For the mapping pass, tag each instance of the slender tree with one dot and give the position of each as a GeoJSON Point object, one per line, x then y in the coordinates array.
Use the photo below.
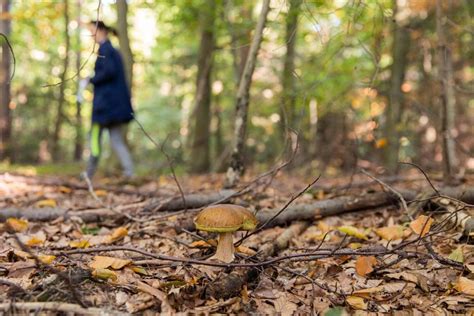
{"type": "Point", "coordinates": [79, 140]}
{"type": "Point", "coordinates": [287, 108]}
{"type": "Point", "coordinates": [448, 98]}
{"type": "Point", "coordinates": [200, 148]}
{"type": "Point", "coordinates": [5, 70]}
{"type": "Point", "coordinates": [62, 87]}
{"type": "Point", "coordinates": [124, 40]}
{"type": "Point", "coordinates": [236, 167]}
{"type": "Point", "coordinates": [400, 48]}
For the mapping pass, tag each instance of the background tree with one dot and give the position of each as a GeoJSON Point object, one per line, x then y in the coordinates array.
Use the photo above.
{"type": "Point", "coordinates": [55, 151]}
{"type": "Point", "coordinates": [400, 48]}
{"type": "Point", "coordinates": [200, 148]}
{"type": "Point", "coordinates": [5, 66]}
{"type": "Point", "coordinates": [236, 167]}
{"type": "Point", "coordinates": [288, 105]}
{"type": "Point", "coordinates": [124, 41]}
{"type": "Point", "coordinates": [79, 139]}
{"type": "Point", "coordinates": [448, 97]}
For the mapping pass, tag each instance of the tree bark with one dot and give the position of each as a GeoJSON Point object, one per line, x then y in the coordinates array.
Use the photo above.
{"type": "Point", "coordinates": [236, 167]}
{"type": "Point", "coordinates": [287, 108]}
{"type": "Point", "coordinates": [79, 140]}
{"type": "Point", "coordinates": [124, 41]}
{"type": "Point", "coordinates": [448, 98]}
{"type": "Point", "coordinates": [200, 148]}
{"type": "Point", "coordinates": [5, 62]}
{"type": "Point", "coordinates": [61, 100]}
{"type": "Point", "coordinates": [400, 48]}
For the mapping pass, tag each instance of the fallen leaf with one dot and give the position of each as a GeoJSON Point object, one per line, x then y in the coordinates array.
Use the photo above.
{"type": "Point", "coordinates": [139, 270]}
{"type": "Point", "coordinates": [47, 203]}
{"type": "Point", "coordinates": [100, 192]}
{"type": "Point", "coordinates": [17, 225]}
{"type": "Point", "coordinates": [365, 265]}
{"type": "Point", "coordinates": [465, 285]}
{"type": "Point", "coordinates": [46, 259]}
{"type": "Point", "coordinates": [284, 307]}
{"type": "Point", "coordinates": [34, 241]}
{"type": "Point", "coordinates": [353, 231]}
{"type": "Point", "coordinates": [356, 302]}
{"type": "Point", "coordinates": [386, 288]}
{"type": "Point", "coordinates": [104, 274]}
{"type": "Point", "coordinates": [165, 305]}
{"type": "Point", "coordinates": [64, 189]}
{"type": "Point", "coordinates": [79, 244]}
{"type": "Point", "coordinates": [355, 245]}
{"type": "Point", "coordinates": [391, 232]}
{"type": "Point", "coordinates": [421, 225]}
{"type": "Point", "coordinates": [457, 255]}
{"type": "Point", "coordinates": [245, 250]}
{"type": "Point", "coordinates": [203, 243]}
{"type": "Point", "coordinates": [381, 143]}
{"type": "Point", "coordinates": [117, 234]}
{"type": "Point", "coordinates": [102, 262]}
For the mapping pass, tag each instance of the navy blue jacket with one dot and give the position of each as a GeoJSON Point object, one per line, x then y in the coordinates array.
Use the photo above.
{"type": "Point", "coordinates": [112, 104]}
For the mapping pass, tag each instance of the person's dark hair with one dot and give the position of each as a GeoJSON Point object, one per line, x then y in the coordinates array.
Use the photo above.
{"type": "Point", "coordinates": [102, 26]}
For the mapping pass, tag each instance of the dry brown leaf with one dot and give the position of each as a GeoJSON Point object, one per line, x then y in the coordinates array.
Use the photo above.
{"type": "Point", "coordinates": [165, 305]}
{"type": "Point", "coordinates": [117, 234]}
{"type": "Point", "coordinates": [17, 225]}
{"type": "Point", "coordinates": [203, 243]}
{"type": "Point", "coordinates": [64, 189]}
{"type": "Point", "coordinates": [391, 232]}
{"type": "Point", "coordinates": [465, 285]}
{"type": "Point", "coordinates": [284, 307]}
{"type": "Point", "coordinates": [245, 250]}
{"type": "Point", "coordinates": [421, 225]}
{"type": "Point", "coordinates": [100, 192]}
{"type": "Point", "coordinates": [102, 262]}
{"type": "Point", "coordinates": [365, 265]}
{"type": "Point", "coordinates": [356, 302]}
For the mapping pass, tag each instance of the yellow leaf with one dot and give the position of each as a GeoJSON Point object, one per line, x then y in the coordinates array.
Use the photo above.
{"type": "Point", "coordinates": [457, 255]}
{"type": "Point", "coordinates": [46, 259]}
{"type": "Point", "coordinates": [104, 274]}
{"type": "Point", "coordinates": [64, 189]}
{"type": "Point", "coordinates": [47, 203]}
{"type": "Point", "coordinates": [381, 143]}
{"type": "Point", "coordinates": [464, 285]}
{"type": "Point", "coordinates": [356, 302]}
{"type": "Point", "coordinates": [365, 265]}
{"type": "Point", "coordinates": [117, 234]}
{"type": "Point", "coordinates": [353, 231]}
{"type": "Point", "coordinates": [18, 225]}
{"type": "Point", "coordinates": [79, 244]}
{"type": "Point", "coordinates": [102, 262]}
{"type": "Point", "coordinates": [100, 192]}
{"type": "Point", "coordinates": [421, 225]}
{"type": "Point", "coordinates": [139, 270]}
{"type": "Point", "coordinates": [355, 245]}
{"type": "Point", "coordinates": [391, 232]}
{"type": "Point", "coordinates": [34, 241]}
{"type": "Point", "coordinates": [21, 254]}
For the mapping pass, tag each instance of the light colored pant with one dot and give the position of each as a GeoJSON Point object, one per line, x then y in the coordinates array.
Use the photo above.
{"type": "Point", "coordinates": [118, 144]}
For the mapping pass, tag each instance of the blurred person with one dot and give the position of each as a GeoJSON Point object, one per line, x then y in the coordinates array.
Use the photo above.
{"type": "Point", "coordinates": [112, 107]}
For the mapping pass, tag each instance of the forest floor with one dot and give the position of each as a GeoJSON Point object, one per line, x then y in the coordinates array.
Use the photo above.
{"type": "Point", "coordinates": [373, 259]}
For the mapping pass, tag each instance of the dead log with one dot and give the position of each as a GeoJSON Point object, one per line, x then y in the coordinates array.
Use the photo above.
{"type": "Point", "coordinates": [229, 285]}
{"type": "Point", "coordinates": [95, 215]}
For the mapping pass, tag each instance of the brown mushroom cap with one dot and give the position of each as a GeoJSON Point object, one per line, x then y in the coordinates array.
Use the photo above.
{"type": "Point", "coordinates": [223, 218]}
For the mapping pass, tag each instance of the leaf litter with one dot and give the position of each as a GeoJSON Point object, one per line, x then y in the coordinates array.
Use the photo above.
{"type": "Point", "coordinates": [127, 281]}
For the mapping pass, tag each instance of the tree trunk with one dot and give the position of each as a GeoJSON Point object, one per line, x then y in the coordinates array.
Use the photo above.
{"type": "Point", "coordinates": [200, 148]}
{"type": "Point", "coordinates": [400, 47]}
{"type": "Point", "coordinates": [236, 167]}
{"type": "Point", "coordinates": [448, 98]}
{"type": "Point", "coordinates": [79, 141]}
{"type": "Point", "coordinates": [59, 114]}
{"type": "Point", "coordinates": [287, 108]}
{"type": "Point", "coordinates": [5, 62]}
{"type": "Point", "coordinates": [124, 41]}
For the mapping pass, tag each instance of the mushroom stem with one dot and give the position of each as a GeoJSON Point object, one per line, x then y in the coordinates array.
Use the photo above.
{"type": "Point", "coordinates": [225, 248]}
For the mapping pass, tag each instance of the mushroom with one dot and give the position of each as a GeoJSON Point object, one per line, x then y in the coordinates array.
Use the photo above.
{"type": "Point", "coordinates": [225, 219]}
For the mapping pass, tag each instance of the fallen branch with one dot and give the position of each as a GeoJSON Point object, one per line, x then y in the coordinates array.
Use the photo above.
{"type": "Point", "coordinates": [38, 307]}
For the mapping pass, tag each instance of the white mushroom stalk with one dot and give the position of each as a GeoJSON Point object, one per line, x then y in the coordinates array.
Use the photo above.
{"type": "Point", "coordinates": [225, 248]}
